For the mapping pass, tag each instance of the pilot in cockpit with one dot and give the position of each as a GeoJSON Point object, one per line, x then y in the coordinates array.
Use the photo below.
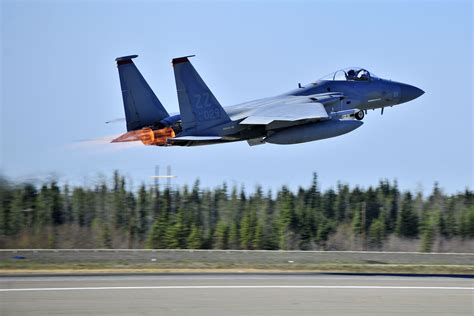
{"type": "Point", "coordinates": [351, 75]}
{"type": "Point", "coordinates": [357, 75]}
{"type": "Point", "coordinates": [362, 75]}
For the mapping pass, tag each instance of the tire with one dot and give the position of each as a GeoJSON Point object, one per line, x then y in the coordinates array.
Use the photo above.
{"type": "Point", "coordinates": [359, 115]}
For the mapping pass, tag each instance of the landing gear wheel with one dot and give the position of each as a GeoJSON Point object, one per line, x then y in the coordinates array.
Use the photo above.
{"type": "Point", "coordinates": [359, 115]}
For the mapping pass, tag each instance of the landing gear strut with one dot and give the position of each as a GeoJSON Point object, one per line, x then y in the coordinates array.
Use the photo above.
{"type": "Point", "coordinates": [359, 115]}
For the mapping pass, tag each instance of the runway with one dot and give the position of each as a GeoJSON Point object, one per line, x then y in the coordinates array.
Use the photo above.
{"type": "Point", "coordinates": [236, 294]}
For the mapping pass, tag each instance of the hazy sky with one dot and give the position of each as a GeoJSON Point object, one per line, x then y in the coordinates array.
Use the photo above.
{"type": "Point", "coordinates": [60, 84]}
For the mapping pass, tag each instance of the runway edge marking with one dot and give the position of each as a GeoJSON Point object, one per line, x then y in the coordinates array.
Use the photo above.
{"type": "Point", "coordinates": [194, 287]}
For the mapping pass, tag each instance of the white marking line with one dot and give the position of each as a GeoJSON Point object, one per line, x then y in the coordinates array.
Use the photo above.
{"type": "Point", "coordinates": [195, 287]}
{"type": "Point", "coordinates": [373, 100]}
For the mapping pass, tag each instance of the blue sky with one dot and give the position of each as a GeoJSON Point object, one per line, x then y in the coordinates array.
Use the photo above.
{"type": "Point", "coordinates": [60, 84]}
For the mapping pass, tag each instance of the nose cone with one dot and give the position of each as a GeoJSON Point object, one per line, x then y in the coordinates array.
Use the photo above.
{"type": "Point", "coordinates": [409, 93]}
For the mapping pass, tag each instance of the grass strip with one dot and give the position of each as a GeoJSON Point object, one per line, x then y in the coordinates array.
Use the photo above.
{"type": "Point", "coordinates": [114, 268]}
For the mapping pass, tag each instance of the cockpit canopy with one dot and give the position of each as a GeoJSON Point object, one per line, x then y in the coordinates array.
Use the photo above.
{"type": "Point", "coordinates": [351, 74]}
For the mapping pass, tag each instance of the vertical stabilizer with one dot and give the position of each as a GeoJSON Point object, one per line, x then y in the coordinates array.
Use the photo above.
{"type": "Point", "coordinates": [199, 109]}
{"type": "Point", "coordinates": [142, 107]}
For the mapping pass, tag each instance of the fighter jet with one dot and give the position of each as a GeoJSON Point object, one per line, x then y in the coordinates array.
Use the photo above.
{"type": "Point", "coordinates": [331, 106]}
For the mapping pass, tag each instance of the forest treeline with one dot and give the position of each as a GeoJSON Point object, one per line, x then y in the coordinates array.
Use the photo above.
{"type": "Point", "coordinates": [109, 215]}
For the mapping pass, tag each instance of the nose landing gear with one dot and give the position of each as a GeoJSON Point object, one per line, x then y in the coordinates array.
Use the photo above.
{"type": "Point", "coordinates": [359, 115]}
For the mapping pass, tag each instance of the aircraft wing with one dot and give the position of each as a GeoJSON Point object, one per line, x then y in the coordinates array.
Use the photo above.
{"type": "Point", "coordinates": [286, 112]}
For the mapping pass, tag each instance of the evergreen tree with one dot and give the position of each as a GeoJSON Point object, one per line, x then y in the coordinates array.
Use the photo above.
{"type": "Point", "coordinates": [3, 215]}
{"type": "Point", "coordinates": [15, 217]}
{"type": "Point", "coordinates": [287, 220]}
{"type": "Point", "coordinates": [220, 240]}
{"type": "Point", "coordinates": [120, 210]}
{"type": "Point", "coordinates": [307, 228]}
{"type": "Point", "coordinates": [329, 203]}
{"type": "Point", "coordinates": [269, 225]}
{"type": "Point", "coordinates": [234, 237]}
{"type": "Point", "coordinates": [156, 237]}
{"type": "Point", "coordinates": [42, 209]}
{"type": "Point", "coordinates": [5, 192]}
{"type": "Point", "coordinates": [195, 238]}
{"type": "Point", "coordinates": [467, 222]}
{"type": "Point", "coordinates": [258, 241]}
{"type": "Point", "coordinates": [314, 195]}
{"type": "Point", "coordinates": [394, 207]}
{"type": "Point", "coordinates": [325, 227]}
{"type": "Point", "coordinates": [142, 212]}
{"type": "Point", "coordinates": [342, 202]}
{"type": "Point", "coordinates": [67, 205]}
{"type": "Point", "coordinates": [377, 232]}
{"type": "Point", "coordinates": [106, 237]}
{"type": "Point", "coordinates": [428, 235]}
{"type": "Point", "coordinates": [357, 226]}
{"type": "Point", "coordinates": [246, 235]}
{"type": "Point", "coordinates": [214, 218]}
{"type": "Point", "coordinates": [79, 206]}
{"type": "Point", "coordinates": [372, 207]}
{"type": "Point", "coordinates": [407, 222]}
{"type": "Point", "coordinates": [176, 235]}
{"type": "Point", "coordinates": [56, 204]}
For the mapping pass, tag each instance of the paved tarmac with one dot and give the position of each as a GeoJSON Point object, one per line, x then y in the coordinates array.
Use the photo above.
{"type": "Point", "coordinates": [236, 294]}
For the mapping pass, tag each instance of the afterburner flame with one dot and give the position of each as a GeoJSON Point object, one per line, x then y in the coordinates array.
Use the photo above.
{"type": "Point", "coordinates": [156, 137]}
{"type": "Point", "coordinates": [147, 136]}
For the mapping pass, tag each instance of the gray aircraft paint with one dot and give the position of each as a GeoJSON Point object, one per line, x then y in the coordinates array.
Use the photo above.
{"type": "Point", "coordinates": [199, 108]}
{"type": "Point", "coordinates": [321, 109]}
{"type": "Point", "coordinates": [142, 107]}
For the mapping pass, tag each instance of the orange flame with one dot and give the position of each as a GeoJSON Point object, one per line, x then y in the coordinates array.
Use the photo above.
{"type": "Point", "coordinates": [147, 136]}
{"type": "Point", "coordinates": [156, 137]}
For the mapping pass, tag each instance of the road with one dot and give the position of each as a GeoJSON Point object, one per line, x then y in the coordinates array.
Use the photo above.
{"type": "Point", "coordinates": [236, 294]}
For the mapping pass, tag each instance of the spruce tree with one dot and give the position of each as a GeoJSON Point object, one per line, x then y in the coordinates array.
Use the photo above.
{"type": "Point", "coordinates": [377, 232]}
{"type": "Point", "coordinates": [258, 241]}
{"type": "Point", "coordinates": [407, 221]}
{"type": "Point", "coordinates": [143, 210]}
{"type": "Point", "coordinates": [220, 240]}
{"type": "Point", "coordinates": [156, 236]}
{"type": "Point", "coordinates": [428, 235]}
{"type": "Point", "coordinates": [195, 238]}
{"type": "Point", "coordinates": [357, 226]}
{"type": "Point", "coordinates": [234, 237]}
{"type": "Point", "coordinates": [246, 236]}
{"type": "Point", "coordinates": [16, 220]}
